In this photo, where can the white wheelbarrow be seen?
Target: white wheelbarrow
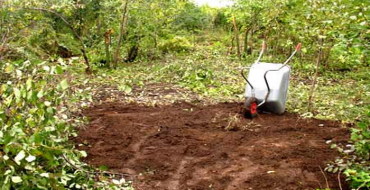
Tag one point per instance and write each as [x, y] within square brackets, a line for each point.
[267, 85]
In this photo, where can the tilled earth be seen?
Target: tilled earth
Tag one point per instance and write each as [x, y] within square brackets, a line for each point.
[189, 147]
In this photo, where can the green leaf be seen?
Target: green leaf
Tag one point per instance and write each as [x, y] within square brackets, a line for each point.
[29, 84]
[47, 175]
[40, 94]
[16, 179]
[59, 69]
[46, 68]
[103, 168]
[19, 73]
[47, 103]
[30, 158]
[50, 110]
[64, 84]
[125, 88]
[83, 154]
[19, 157]
[17, 93]
[9, 68]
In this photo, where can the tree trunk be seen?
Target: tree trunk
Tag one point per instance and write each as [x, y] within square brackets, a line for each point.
[132, 53]
[231, 48]
[246, 40]
[236, 34]
[107, 42]
[251, 42]
[88, 69]
[123, 31]
[155, 40]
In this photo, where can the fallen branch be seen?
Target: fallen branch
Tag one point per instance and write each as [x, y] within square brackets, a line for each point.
[340, 183]
[326, 179]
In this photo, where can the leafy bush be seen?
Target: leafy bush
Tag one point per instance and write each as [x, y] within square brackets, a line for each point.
[176, 44]
[36, 123]
[191, 18]
[354, 162]
[359, 172]
[197, 79]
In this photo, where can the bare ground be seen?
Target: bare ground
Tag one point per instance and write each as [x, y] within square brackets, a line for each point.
[191, 147]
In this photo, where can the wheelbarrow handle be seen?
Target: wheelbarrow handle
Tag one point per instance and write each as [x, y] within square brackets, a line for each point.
[246, 79]
[264, 46]
[297, 48]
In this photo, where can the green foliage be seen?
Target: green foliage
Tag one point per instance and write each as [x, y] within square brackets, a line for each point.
[316, 24]
[36, 121]
[175, 44]
[47, 33]
[361, 136]
[356, 155]
[220, 19]
[191, 18]
[348, 100]
[359, 172]
[359, 176]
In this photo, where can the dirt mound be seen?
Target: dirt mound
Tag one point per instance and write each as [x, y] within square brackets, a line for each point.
[184, 146]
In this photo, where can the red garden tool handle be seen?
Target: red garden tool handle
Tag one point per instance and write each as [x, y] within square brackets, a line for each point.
[264, 45]
[298, 47]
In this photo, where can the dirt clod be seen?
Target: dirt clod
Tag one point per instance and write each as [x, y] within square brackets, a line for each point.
[188, 147]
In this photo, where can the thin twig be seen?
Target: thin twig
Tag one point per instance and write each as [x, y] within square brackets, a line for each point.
[326, 179]
[4, 38]
[123, 175]
[340, 183]
[70, 163]
[314, 80]
[362, 185]
[297, 122]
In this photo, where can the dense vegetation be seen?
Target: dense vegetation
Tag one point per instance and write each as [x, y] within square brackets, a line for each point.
[56, 55]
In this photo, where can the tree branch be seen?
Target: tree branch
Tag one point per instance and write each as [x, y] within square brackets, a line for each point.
[75, 34]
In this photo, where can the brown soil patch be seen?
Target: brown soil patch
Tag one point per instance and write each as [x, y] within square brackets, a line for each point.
[187, 147]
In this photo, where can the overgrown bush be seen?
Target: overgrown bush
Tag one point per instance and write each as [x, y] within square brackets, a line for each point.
[35, 126]
[175, 44]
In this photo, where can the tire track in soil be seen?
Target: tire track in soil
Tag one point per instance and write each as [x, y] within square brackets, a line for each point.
[136, 148]
[182, 147]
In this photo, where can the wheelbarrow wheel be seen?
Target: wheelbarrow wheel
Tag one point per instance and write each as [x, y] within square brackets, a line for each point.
[250, 107]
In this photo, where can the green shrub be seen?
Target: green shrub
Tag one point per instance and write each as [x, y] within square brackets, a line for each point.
[35, 126]
[354, 162]
[176, 44]
[359, 172]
